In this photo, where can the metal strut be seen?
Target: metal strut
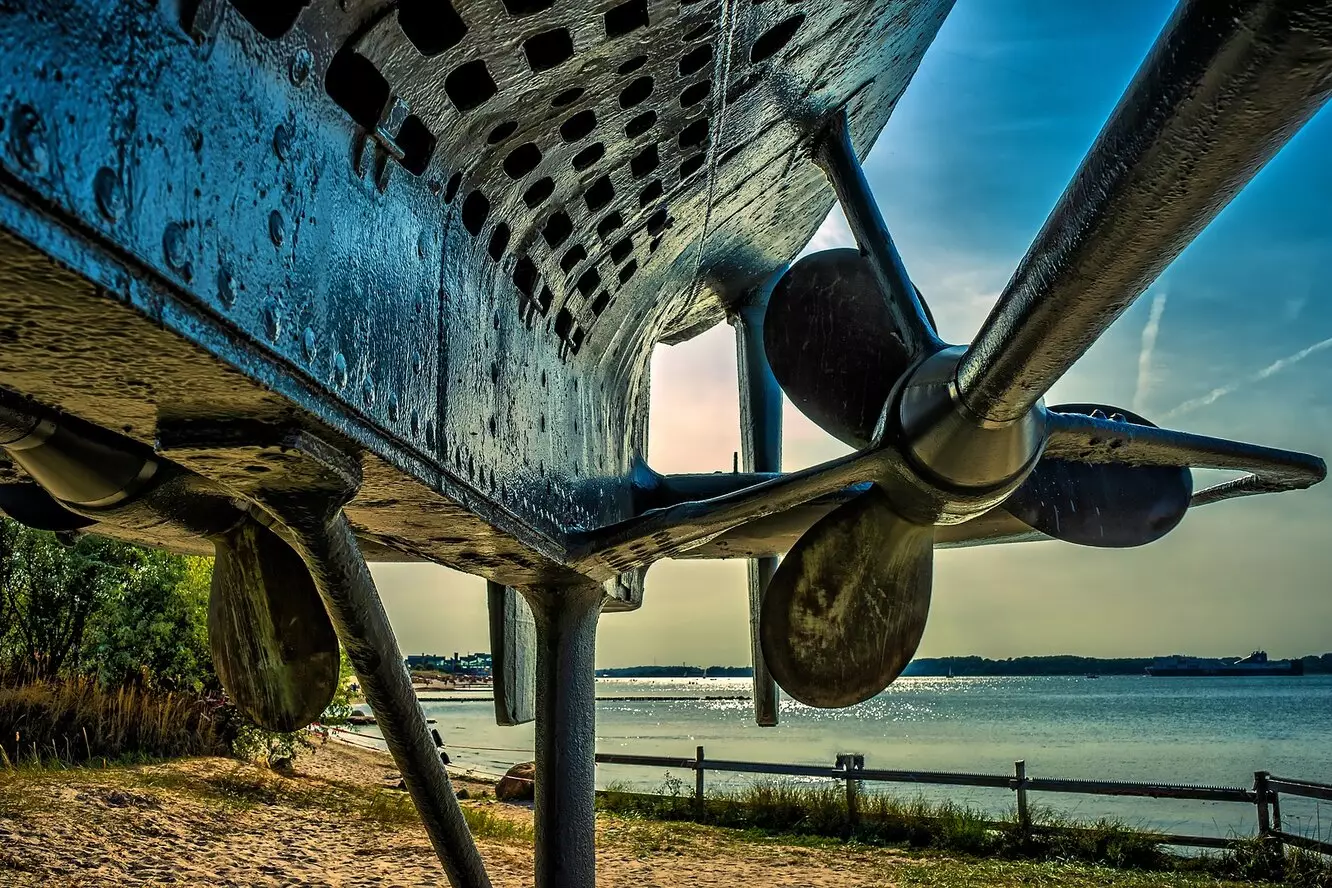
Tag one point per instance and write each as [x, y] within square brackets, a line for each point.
[565, 816]
[761, 449]
[321, 534]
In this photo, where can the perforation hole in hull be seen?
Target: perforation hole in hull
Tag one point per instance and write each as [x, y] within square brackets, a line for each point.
[562, 140]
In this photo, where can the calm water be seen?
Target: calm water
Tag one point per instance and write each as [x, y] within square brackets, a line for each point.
[1198, 730]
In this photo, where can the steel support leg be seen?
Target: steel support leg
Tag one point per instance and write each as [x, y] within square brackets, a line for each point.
[835, 154]
[761, 449]
[566, 625]
[325, 541]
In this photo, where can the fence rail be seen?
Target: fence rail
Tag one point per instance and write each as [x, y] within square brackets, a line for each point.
[1265, 795]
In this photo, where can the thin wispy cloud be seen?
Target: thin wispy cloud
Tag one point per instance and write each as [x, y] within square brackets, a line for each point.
[1271, 369]
[1150, 330]
[833, 233]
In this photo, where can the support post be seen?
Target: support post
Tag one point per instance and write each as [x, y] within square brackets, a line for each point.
[1260, 791]
[565, 816]
[1020, 784]
[699, 804]
[850, 763]
[761, 445]
[835, 154]
[340, 573]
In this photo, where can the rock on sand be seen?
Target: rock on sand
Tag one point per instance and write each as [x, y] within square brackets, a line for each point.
[519, 784]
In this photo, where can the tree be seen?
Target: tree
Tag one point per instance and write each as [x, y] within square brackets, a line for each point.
[126, 614]
[153, 629]
[48, 593]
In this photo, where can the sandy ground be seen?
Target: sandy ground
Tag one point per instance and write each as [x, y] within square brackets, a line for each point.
[217, 822]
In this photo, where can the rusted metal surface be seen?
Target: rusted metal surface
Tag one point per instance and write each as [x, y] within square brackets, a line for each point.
[1100, 440]
[512, 655]
[776, 534]
[910, 319]
[564, 818]
[761, 451]
[965, 428]
[261, 243]
[833, 343]
[394, 271]
[1106, 505]
[305, 489]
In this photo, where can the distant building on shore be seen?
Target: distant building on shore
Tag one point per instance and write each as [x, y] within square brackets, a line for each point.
[478, 664]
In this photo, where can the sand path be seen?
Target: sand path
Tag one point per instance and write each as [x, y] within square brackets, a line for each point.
[216, 822]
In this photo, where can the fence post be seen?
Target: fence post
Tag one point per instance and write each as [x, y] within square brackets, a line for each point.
[698, 780]
[1274, 816]
[1261, 801]
[851, 762]
[1020, 784]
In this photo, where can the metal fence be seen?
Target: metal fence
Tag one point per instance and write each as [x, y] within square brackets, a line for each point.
[1265, 795]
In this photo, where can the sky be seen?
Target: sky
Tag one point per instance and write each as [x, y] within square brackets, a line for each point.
[1234, 340]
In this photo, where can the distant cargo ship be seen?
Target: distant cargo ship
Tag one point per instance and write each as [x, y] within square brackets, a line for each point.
[1254, 664]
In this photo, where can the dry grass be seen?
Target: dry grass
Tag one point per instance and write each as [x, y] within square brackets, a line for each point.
[76, 720]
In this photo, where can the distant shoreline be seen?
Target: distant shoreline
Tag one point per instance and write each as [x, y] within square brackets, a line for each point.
[959, 667]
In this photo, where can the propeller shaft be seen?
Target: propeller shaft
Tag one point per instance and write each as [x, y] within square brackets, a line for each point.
[1225, 86]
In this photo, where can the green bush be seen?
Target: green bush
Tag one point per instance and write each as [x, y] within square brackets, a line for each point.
[97, 620]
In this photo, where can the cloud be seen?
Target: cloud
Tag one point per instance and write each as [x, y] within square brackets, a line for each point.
[1149, 334]
[833, 233]
[1271, 369]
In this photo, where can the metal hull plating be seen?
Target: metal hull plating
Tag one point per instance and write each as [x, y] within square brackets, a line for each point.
[192, 229]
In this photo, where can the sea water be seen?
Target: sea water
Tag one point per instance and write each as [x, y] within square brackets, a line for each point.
[1212, 731]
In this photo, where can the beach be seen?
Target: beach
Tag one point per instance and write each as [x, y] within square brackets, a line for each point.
[334, 823]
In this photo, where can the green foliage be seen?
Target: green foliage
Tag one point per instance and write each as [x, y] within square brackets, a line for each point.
[486, 824]
[153, 628]
[252, 743]
[48, 594]
[131, 618]
[1263, 860]
[126, 614]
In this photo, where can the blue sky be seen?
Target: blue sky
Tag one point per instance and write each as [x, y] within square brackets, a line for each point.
[1235, 339]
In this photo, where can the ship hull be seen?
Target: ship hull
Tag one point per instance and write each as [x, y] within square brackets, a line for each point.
[1274, 670]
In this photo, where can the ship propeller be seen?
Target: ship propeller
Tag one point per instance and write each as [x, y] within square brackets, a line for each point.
[948, 433]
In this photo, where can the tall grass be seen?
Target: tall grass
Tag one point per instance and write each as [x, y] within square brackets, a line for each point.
[819, 809]
[77, 720]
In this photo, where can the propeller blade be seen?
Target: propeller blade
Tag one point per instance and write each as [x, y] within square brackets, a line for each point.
[1107, 505]
[1225, 86]
[31, 506]
[846, 609]
[272, 642]
[832, 343]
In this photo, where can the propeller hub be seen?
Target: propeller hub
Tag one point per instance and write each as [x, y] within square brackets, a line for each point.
[956, 449]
